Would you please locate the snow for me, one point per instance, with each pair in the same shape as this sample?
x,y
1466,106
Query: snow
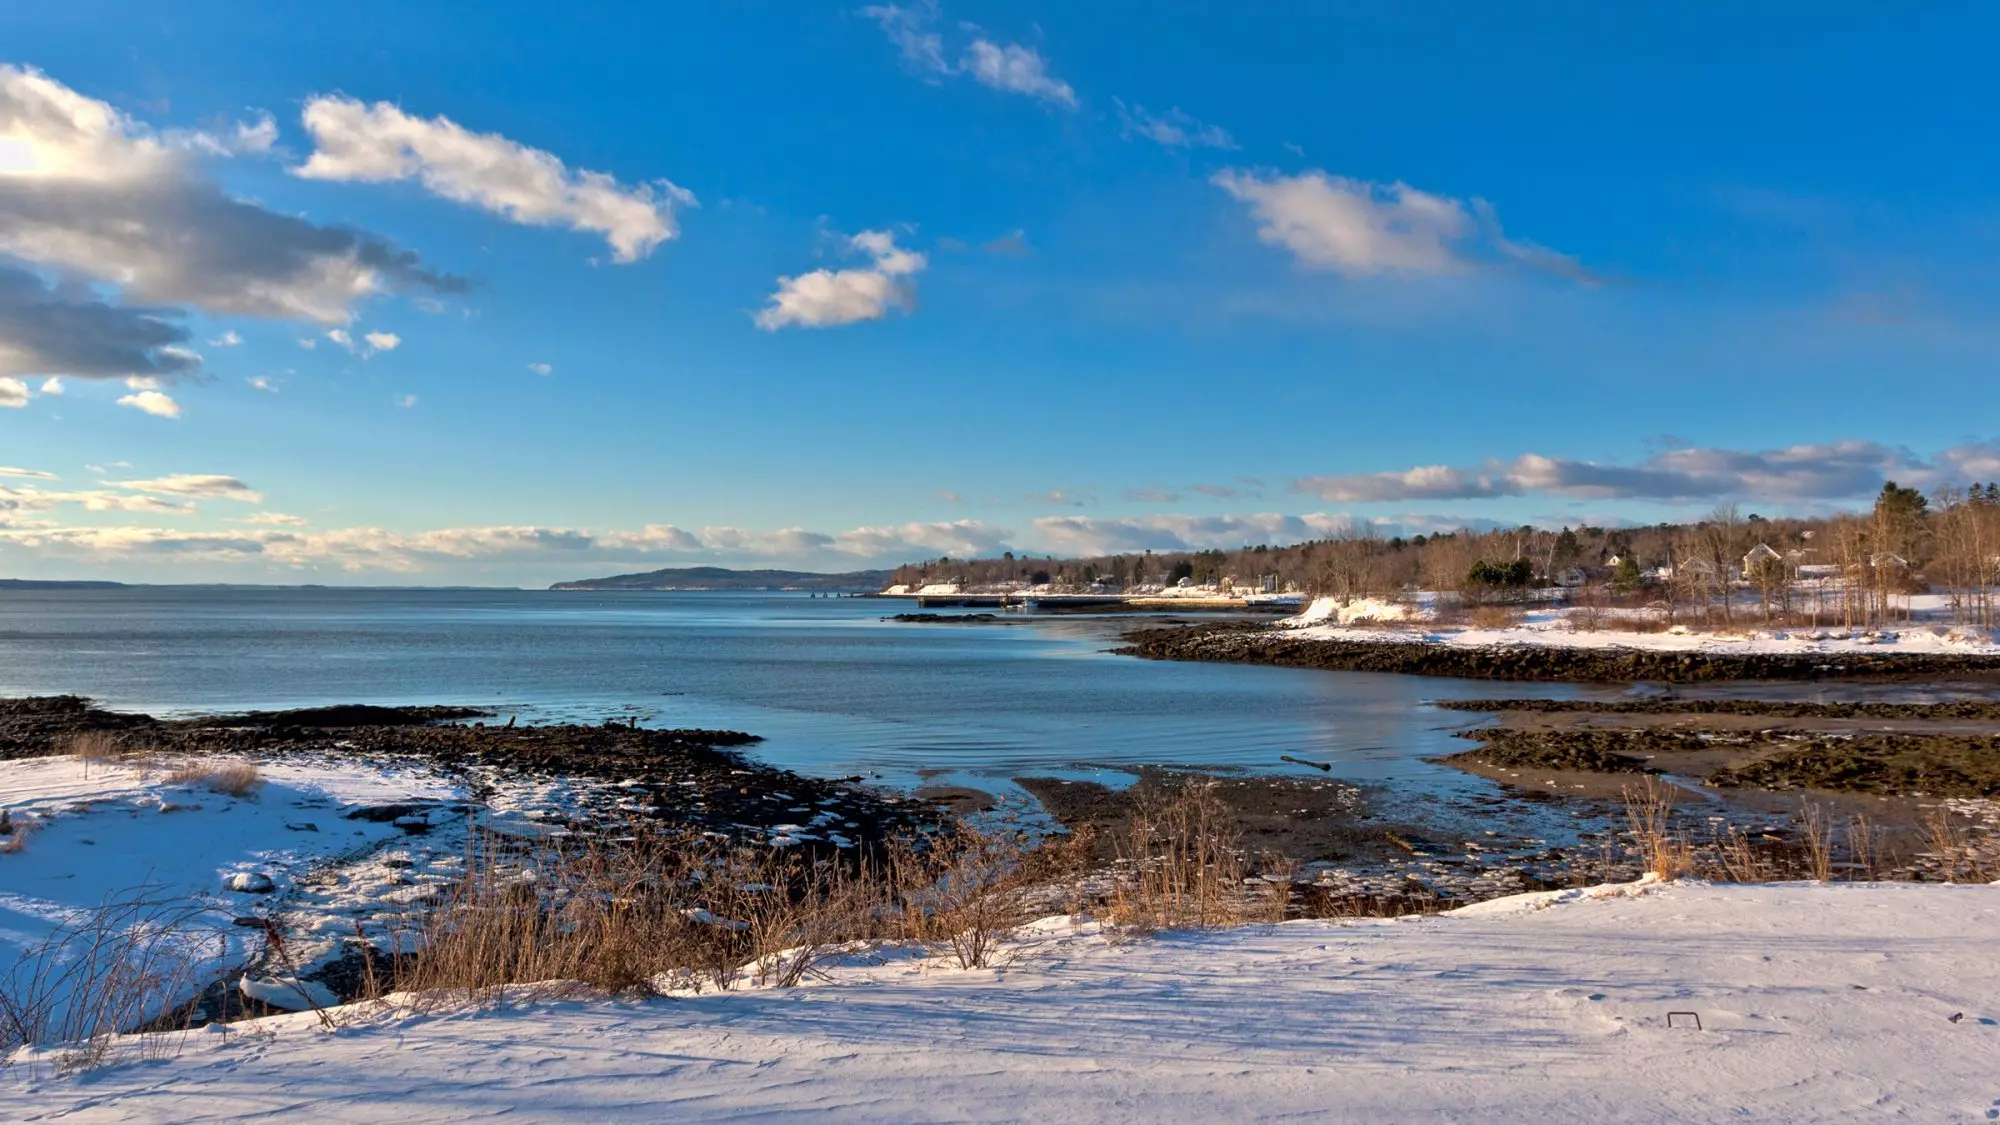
x,y
1817,1003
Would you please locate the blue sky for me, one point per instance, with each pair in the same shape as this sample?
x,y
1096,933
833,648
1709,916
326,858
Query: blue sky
x,y
840,286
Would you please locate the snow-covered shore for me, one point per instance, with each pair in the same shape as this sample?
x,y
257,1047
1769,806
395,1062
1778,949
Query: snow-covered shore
x,y
1374,620
1816,1002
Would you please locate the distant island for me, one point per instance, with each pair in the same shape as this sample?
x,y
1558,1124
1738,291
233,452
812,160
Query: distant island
x,y
722,578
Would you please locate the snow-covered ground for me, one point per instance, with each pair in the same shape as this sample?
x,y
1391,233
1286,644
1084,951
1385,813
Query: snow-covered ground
x,y
1816,1003
85,833
1559,626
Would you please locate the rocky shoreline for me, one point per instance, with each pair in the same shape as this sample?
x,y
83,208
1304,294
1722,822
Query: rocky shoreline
x,y
1249,643
608,774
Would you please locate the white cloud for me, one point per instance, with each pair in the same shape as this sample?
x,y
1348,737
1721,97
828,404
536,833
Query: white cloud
x,y
207,486
53,386
825,298
406,401
1172,129
1017,70
380,142
86,190
1002,66
30,474
273,519
540,368
1824,471
262,383
308,343
1358,228
256,136
367,346
14,393
229,339
152,402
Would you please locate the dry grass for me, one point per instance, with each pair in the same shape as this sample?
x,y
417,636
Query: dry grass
x,y
1816,838
653,912
1649,811
235,778
1181,866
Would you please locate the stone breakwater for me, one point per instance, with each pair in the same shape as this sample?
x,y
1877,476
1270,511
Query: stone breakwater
x,y
1244,643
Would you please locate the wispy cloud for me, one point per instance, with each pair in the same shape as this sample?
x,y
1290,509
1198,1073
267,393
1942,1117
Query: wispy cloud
x,y
1361,229
915,29
1172,129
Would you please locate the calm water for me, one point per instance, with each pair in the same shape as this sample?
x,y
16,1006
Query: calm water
x,y
835,690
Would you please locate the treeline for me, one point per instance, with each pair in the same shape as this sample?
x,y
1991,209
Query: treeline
x,y
1861,567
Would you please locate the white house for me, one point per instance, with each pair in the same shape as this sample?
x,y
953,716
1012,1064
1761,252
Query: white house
x,y
1570,577
1757,557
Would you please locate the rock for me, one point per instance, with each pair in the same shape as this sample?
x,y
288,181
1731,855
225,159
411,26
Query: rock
x,y
250,883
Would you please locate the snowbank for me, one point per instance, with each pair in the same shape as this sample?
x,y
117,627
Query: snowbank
x,y
1816,1002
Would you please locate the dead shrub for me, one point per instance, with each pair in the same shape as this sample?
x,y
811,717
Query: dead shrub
x,y
1494,616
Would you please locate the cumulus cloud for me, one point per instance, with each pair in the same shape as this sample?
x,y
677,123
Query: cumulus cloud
x,y
540,368
53,386
1172,129
1824,471
826,298
382,341
374,143
262,383
207,486
1358,229
157,403
1009,67
14,394
85,190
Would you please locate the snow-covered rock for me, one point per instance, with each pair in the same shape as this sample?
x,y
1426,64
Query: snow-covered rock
x,y
288,993
250,883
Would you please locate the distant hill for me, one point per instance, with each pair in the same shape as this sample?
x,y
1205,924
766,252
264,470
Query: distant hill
x,y
52,584
722,578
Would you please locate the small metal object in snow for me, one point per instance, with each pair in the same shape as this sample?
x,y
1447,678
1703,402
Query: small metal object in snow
x,y
1695,1016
